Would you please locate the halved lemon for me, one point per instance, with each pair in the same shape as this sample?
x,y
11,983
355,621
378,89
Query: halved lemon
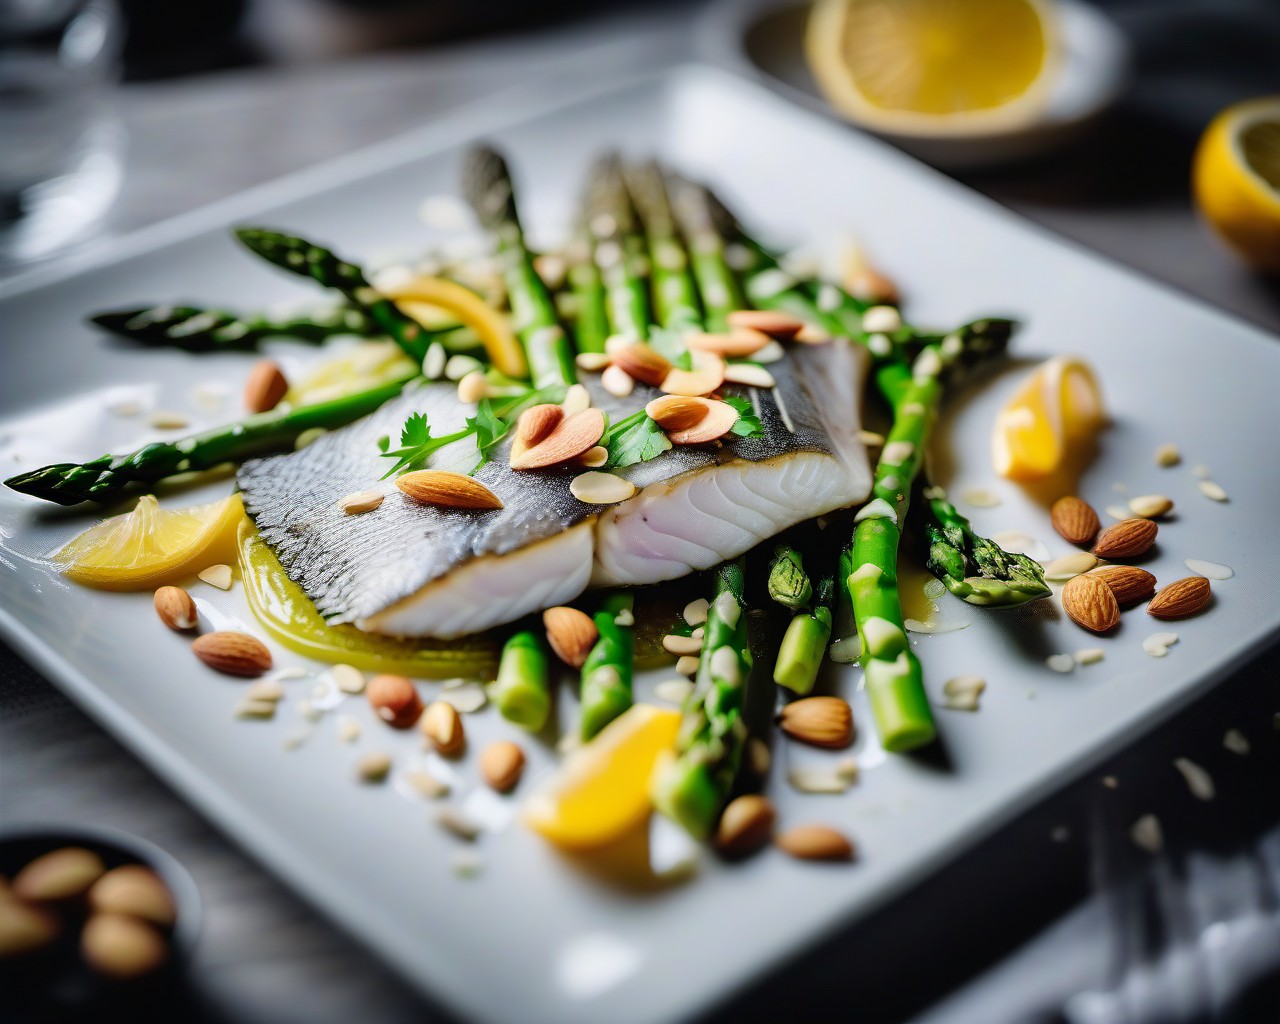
x,y
935,67
150,546
1236,176
1058,407
423,297
601,792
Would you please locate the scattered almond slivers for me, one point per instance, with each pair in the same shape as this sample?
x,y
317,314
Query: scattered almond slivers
x,y
737,344
574,435
361,502
641,362
750,374
219,576
774,324
707,375
689,420
594,488
443,489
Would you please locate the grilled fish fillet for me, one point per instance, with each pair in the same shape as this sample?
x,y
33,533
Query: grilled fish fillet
x,y
414,570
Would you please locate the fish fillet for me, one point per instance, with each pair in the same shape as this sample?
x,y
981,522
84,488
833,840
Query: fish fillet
x,y
415,570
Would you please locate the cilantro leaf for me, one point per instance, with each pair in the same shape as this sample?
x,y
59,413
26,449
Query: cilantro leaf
x,y
416,445
486,425
634,439
748,423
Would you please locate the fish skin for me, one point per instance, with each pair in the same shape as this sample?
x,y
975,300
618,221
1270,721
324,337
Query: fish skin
x,y
368,569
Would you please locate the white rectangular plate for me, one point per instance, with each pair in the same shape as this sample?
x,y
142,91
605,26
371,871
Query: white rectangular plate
x,y
534,936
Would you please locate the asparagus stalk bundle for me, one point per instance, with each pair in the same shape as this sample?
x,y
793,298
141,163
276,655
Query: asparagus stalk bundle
x,y
214,330
675,293
606,674
618,249
590,316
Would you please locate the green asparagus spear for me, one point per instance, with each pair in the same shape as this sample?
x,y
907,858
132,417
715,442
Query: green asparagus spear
x,y
591,318
805,643
788,582
698,213
214,330
692,788
107,478
299,256
522,690
606,674
675,295
487,184
619,249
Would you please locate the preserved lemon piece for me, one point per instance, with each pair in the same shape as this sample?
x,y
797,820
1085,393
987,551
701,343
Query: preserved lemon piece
x,y
288,615
1056,409
151,546
601,792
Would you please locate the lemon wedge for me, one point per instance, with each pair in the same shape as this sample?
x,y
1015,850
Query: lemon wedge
x,y
933,67
150,546
1056,409
601,792
423,297
1236,176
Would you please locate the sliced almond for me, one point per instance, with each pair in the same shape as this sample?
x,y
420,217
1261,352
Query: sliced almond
x,y
219,576
749,375
473,387
815,842
176,608
374,766
745,825
810,334
1129,583
767,321
1181,598
442,726
739,343
1074,519
573,436
236,654
617,381
1168,455
265,387
443,489
642,362
718,421
593,458
677,412
394,699
1126,539
501,765
571,634
1068,566
681,646
593,362
576,398
820,721
1150,506
361,502
594,488
707,375
537,422
1089,603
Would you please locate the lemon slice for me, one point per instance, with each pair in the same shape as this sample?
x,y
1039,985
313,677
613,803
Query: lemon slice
x,y
438,293
362,367
601,792
1236,176
934,67
1056,409
151,546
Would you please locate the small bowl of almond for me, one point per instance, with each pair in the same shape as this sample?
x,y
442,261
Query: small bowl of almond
x,y
90,919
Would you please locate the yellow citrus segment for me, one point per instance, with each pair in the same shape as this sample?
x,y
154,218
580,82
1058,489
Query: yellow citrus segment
x,y
1056,408
470,309
288,615
601,792
934,66
1236,176
151,546
362,367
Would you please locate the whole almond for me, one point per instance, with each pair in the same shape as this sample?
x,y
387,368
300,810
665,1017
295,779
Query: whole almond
x,y
776,325
58,875
176,608
394,699
571,634
443,489
575,435
1089,603
537,422
136,891
442,725
815,842
24,928
643,363
501,764
122,947
1129,583
1181,598
676,412
745,825
265,387
820,721
236,654
1126,539
718,421
1074,519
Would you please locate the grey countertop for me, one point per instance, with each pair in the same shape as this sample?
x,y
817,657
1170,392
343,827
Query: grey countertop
x,y
265,957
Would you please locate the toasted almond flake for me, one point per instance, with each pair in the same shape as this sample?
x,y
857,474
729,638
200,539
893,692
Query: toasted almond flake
x,y
348,729
1168,455
738,344
265,689
707,375
259,709
1236,742
473,387
361,501
676,644
870,438
1069,566
1157,644
219,576
308,438
674,690
881,319
347,678
1089,655
1201,470
1118,512
1060,662
962,693
466,698
576,399
374,766
164,419
980,497
772,352
749,374
458,366
897,452
593,458
593,362
812,779
687,664
1150,506
1146,834
426,785
695,612
617,381
1199,781
451,819
594,488
1213,491
434,360
717,420
1209,570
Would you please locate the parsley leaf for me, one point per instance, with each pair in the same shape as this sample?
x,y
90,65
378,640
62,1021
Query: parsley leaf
x,y
748,423
416,445
486,425
634,439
